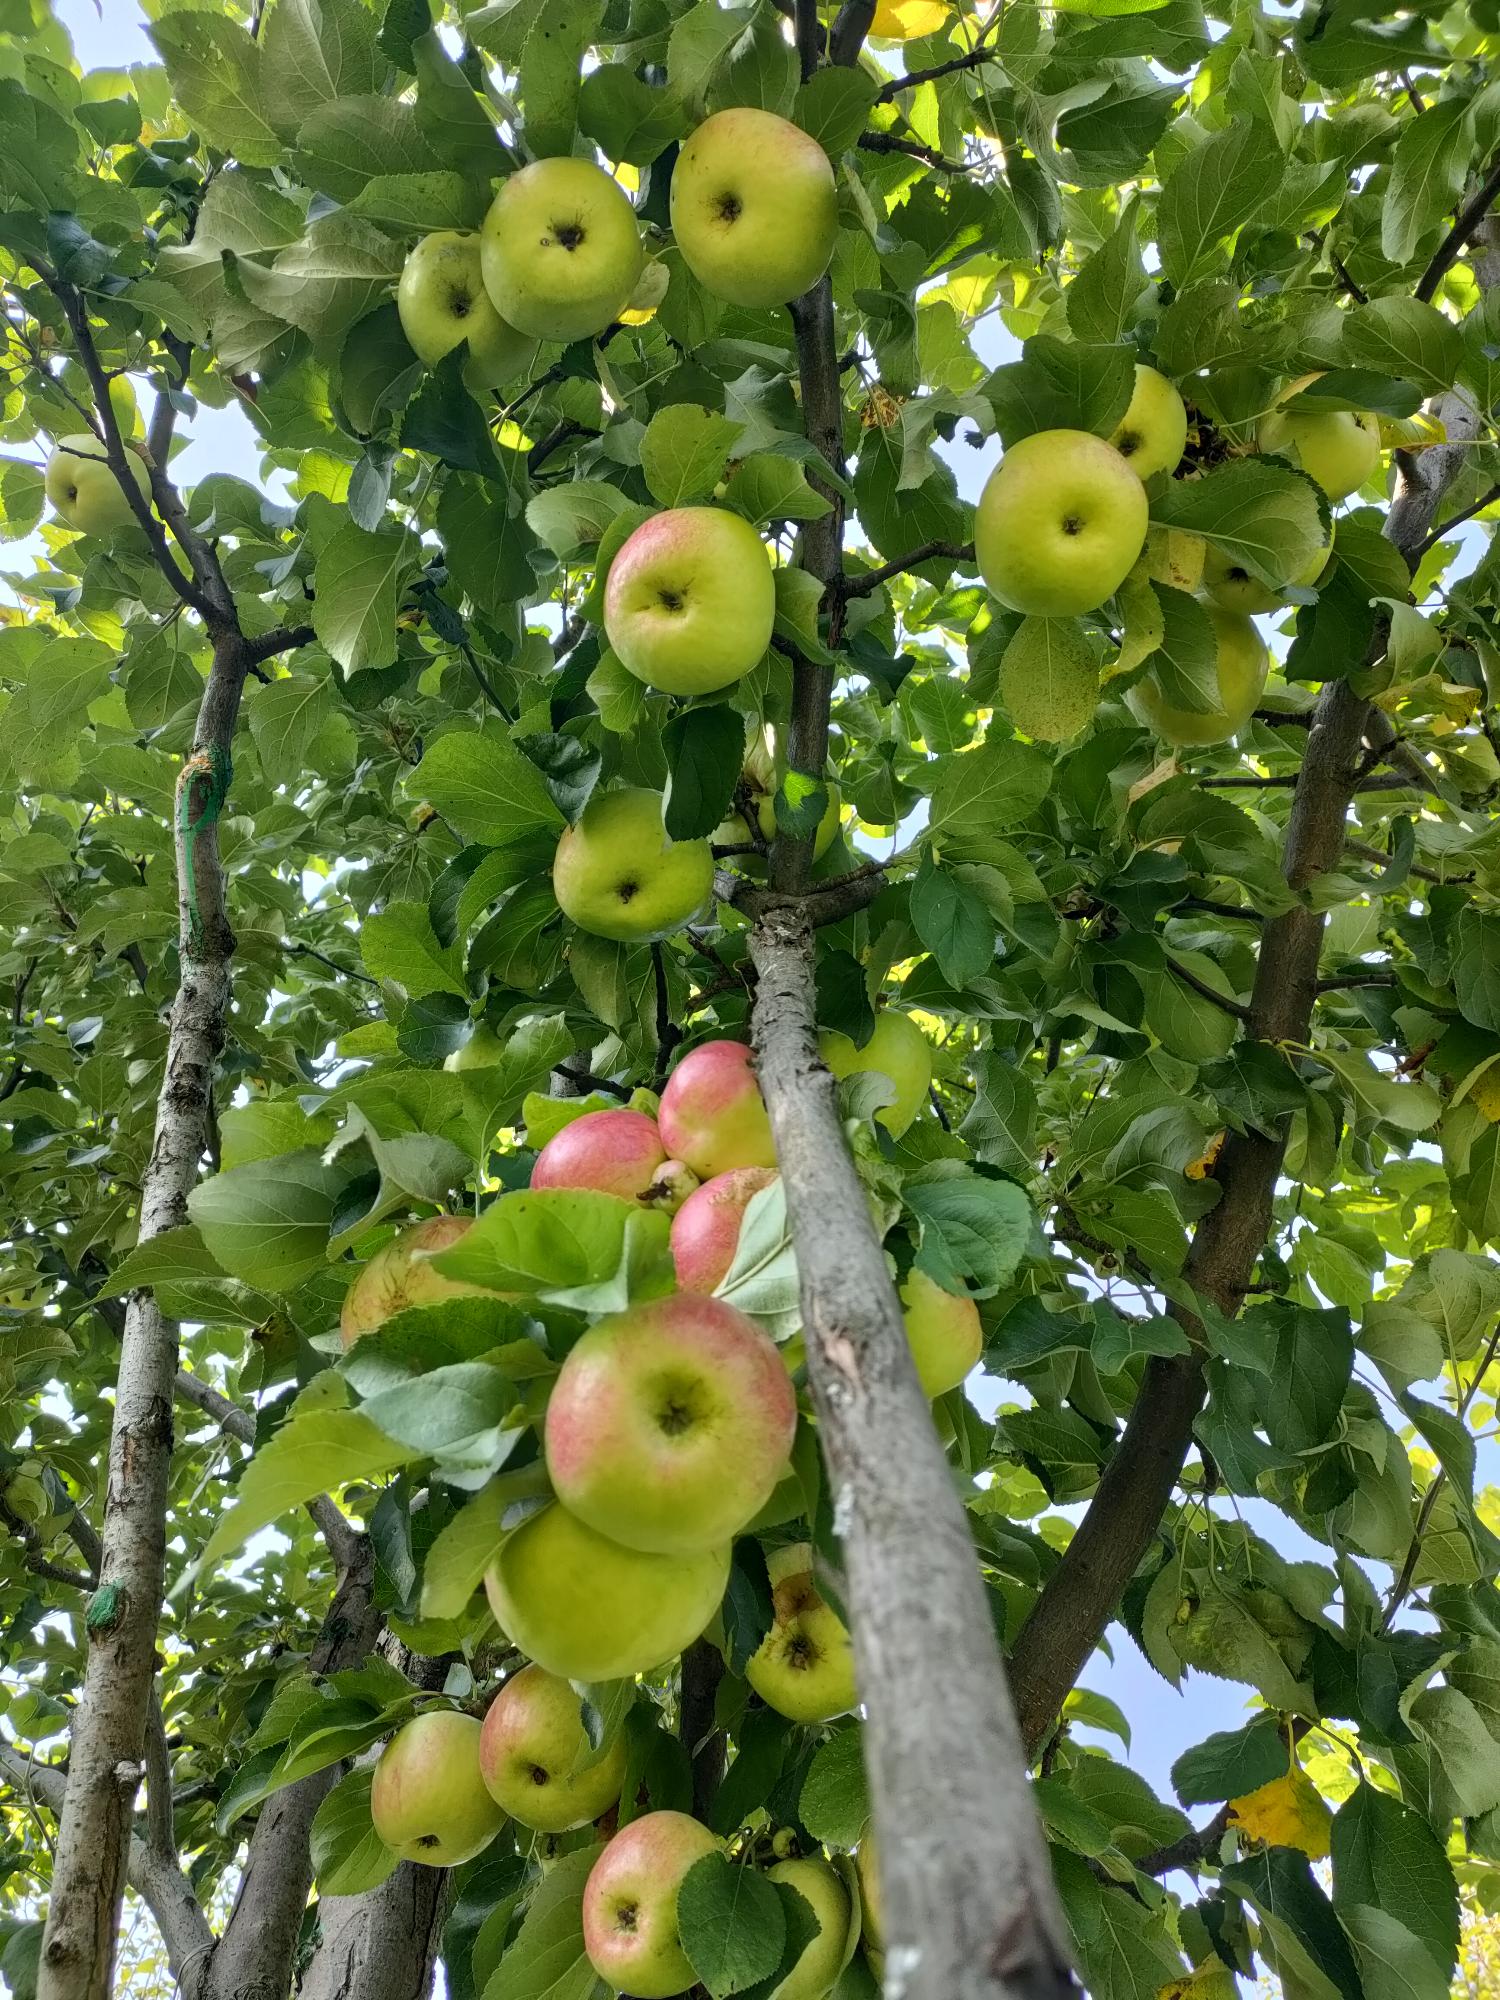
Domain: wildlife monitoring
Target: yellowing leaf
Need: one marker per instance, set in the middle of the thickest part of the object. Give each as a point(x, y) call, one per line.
point(1288, 1812)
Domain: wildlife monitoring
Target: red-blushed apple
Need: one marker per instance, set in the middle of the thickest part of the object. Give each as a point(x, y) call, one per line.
point(531, 1750)
point(428, 1802)
point(81, 485)
point(1059, 524)
point(669, 1424)
point(706, 1229)
point(1152, 434)
point(614, 1152)
point(589, 1609)
point(690, 600)
point(898, 1050)
point(754, 206)
point(618, 875)
point(712, 1114)
point(816, 1971)
point(943, 1332)
point(560, 249)
point(630, 1904)
point(401, 1275)
point(804, 1667)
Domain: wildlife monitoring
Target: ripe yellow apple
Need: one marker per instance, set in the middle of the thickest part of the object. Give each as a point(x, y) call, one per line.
point(817, 1970)
point(535, 1760)
point(84, 491)
point(690, 600)
point(670, 1424)
point(560, 250)
point(943, 1332)
point(1243, 664)
point(442, 303)
point(754, 207)
point(1152, 434)
point(1059, 524)
point(401, 1275)
point(804, 1667)
point(617, 875)
point(897, 1049)
point(585, 1608)
point(712, 1114)
point(630, 1905)
point(1233, 588)
point(428, 1802)
point(1339, 449)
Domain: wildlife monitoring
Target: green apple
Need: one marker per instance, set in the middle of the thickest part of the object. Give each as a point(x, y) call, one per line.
point(943, 1332)
point(588, 1609)
point(712, 1115)
point(804, 1667)
point(617, 875)
point(690, 600)
point(630, 1905)
point(535, 1758)
point(402, 1275)
point(560, 250)
point(816, 1972)
point(1152, 434)
point(1339, 449)
point(83, 489)
point(428, 1802)
point(442, 303)
point(1233, 588)
point(898, 1050)
point(754, 207)
point(1243, 664)
point(1059, 524)
point(867, 1868)
point(669, 1424)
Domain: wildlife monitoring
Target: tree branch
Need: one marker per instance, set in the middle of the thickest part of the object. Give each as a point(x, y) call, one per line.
point(1469, 220)
point(887, 142)
point(702, 1670)
point(973, 59)
point(1211, 993)
point(871, 580)
point(1457, 520)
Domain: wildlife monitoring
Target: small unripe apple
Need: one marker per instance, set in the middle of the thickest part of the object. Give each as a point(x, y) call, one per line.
point(402, 1275)
point(943, 1332)
point(560, 250)
point(897, 1049)
point(82, 488)
point(706, 1229)
point(428, 1802)
point(804, 1667)
point(530, 1752)
point(1152, 435)
point(690, 600)
point(712, 1113)
point(754, 207)
point(617, 875)
point(630, 1905)
point(670, 1424)
point(1059, 524)
point(822, 1959)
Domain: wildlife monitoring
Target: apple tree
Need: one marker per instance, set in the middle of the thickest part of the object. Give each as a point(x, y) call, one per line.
point(611, 856)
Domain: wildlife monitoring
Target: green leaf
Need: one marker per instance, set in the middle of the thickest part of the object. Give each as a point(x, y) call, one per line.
point(572, 519)
point(1402, 336)
point(343, 146)
point(1123, 1951)
point(1215, 188)
point(559, 33)
point(1000, 1125)
point(316, 51)
point(834, 1803)
point(1185, 664)
point(360, 582)
point(1307, 1946)
point(627, 118)
point(546, 1960)
point(1377, 1098)
point(414, 203)
point(699, 43)
point(730, 1923)
point(484, 787)
point(315, 1451)
point(458, 125)
point(218, 77)
point(348, 1855)
point(974, 1230)
point(462, 1551)
point(328, 279)
point(398, 944)
point(286, 719)
point(683, 452)
point(455, 1414)
point(1428, 171)
point(1104, 299)
point(1061, 384)
point(40, 153)
point(834, 106)
point(268, 1222)
point(572, 1246)
point(1229, 1765)
point(981, 793)
point(953, 923)
point(1263, 517)
point(705, 748)
point(1476, 965)
point(1387, 1855)
point(1313, 1358)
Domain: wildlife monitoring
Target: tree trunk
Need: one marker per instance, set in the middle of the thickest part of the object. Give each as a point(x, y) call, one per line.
point(382, 1945)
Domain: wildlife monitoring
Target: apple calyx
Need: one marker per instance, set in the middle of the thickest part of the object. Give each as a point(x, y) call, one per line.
point(670, 1187)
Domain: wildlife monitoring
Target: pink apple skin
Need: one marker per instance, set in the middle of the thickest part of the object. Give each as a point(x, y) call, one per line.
point(615, 1152)
point(630, 1904)
point(706, 1229)
point(712, 1113)
point(669, 1425)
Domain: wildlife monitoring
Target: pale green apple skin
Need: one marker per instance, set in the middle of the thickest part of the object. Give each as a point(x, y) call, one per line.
point(943, 1333)
point(630, 1904)
point(670, 1424)
point(1152, 435)
point(428, 1802)
point(867, 1867)
point(530, 1750)
point(560, 250)
point(401, 1275)
point(442, 304)
point(816, 1972)
point(1338, 449)
point(617, 875)
point(1059, 524)
point(896, 1049)
point(712, 1114)
point(690, 600)
point(1235, 589)
point(84, 492)
point(804, 1667)
point(1243, 665)
point(587, 1609)
point(754, 207)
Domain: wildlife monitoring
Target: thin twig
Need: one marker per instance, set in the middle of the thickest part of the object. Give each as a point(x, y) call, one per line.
point(872, 579)
point(1465, 224)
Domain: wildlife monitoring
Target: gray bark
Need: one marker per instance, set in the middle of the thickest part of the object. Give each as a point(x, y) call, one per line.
point(382, 1945)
